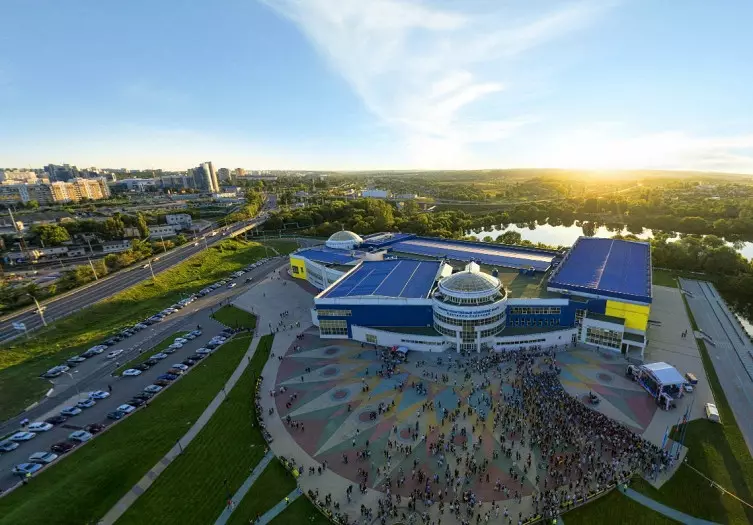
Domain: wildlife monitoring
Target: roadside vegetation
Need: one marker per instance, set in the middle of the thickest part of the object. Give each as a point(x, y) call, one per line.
point(615, 509)
point(22, 361)
point(300, 511)
point(140, 358)
point(270, 488)
point(235, 317)
point(215, 463)
point(82, 487)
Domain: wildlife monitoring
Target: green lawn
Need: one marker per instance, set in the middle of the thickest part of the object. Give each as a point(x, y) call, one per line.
point(300, 512)
point(146, 353)
point(283, 246)
point(234, 317)
point(664, 278)
point(270, 488)
point(225, 451)
point(720, 452)
point(615, 509)
point(21, 362)
point(84, 486)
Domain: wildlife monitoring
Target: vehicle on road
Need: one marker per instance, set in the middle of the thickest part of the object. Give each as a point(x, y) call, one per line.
point(159, 356)
point(114, 354)
point(8, 446)
point(180, 366)
point(74, 361)
point(153, 389)
point(136, 402)
point(63, 447)
point(22, 436)
point(56, 420)
point(162, 382)
point(156, 259)
point(180, 340)
point(176, 371)
point(131, 372)
point(168, 377)
point(81, 436)
point(85, 403)
point(95, 428)
point(232, 285)
point(70, 411)
point(26, 468)
point(96, 350)
point(39, 426)
point(126, 408)
point(145, 396)
point(196, 357)
point(43, 457)
point(99, 394)
point(175, 346)
point(55, 371)
point(116, 414)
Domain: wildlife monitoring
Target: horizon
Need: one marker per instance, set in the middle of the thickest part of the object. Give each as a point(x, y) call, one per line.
point(326, 85)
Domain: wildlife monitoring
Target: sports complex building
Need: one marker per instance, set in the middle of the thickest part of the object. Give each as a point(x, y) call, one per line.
point(430, 294)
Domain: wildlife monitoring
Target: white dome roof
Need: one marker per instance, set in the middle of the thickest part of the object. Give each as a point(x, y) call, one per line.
point(468, 282)
point(346, 235)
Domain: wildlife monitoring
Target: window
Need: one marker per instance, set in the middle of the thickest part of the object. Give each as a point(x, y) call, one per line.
point(523, 342)
point(471, 300)
point(444, 331)
point(333, 313)
point(333, 327)
point(468, 322)
point(535, 310)
point(314, 273)
point(295, 270)
point(603, 337)
point(371, 338)
point(419, 342)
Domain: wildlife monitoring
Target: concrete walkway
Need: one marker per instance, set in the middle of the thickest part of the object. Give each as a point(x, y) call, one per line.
point(281, 505)
point(663, 509)
point(145, 482)
point(244, 488)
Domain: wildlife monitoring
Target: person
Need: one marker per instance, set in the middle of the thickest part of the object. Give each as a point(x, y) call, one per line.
point(109, 388)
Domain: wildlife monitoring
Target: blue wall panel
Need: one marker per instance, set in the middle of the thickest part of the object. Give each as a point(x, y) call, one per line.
point(385, 315)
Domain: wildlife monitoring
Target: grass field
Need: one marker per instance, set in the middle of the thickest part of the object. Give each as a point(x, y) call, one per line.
point(718, 451)
point(283, 246)
point(270, 488)
point(234, 317)
point(664, 278)
point(216, 462)
point(615, 509)
point(84, 486)
point(144, 355)
point(301, 511)
point(22, 362)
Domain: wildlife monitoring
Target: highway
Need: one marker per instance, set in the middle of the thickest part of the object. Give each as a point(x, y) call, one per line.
point(81, 298)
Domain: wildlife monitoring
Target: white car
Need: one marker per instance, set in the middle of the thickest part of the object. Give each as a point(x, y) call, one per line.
point(176, 346)
point(159, 356)
point(126, 408)
point(153, 389)
point(114, 354)
point(232, 285)
point(180, 340)
point(86, 403)
point(203, 351)
point(99, 394)
point(43, 457)
point(80, 436)
point(39, 426)
point(180, 366)
point(70, 411)
point(8, 446)
point(131, 372)
point(22, 436)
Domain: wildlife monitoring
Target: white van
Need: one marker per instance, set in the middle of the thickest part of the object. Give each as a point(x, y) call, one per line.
point(712, 414)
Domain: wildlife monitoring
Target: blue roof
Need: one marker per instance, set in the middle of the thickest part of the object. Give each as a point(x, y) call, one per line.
point(328, 256)
point(481, 252)
point(382, 240)
point(608, 267)
point(405, 278)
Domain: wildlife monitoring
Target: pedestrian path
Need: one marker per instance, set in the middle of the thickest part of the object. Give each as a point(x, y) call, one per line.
point(277, 509)
point(145, 482)
point(241, 492)
point(663, 509)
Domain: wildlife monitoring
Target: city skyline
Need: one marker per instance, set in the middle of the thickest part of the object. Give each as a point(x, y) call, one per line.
point(323, 84)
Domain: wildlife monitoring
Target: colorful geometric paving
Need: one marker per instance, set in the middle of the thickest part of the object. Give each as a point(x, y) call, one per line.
point(327, 379)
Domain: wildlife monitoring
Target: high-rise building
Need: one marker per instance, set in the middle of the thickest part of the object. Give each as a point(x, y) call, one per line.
point(205, 178)
point(223, 174)
point(208, 167)
point(64, 173)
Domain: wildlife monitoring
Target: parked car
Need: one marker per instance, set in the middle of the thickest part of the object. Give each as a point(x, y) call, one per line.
point(176, 371)
point(43, 457)
point(114, 354)
point(153, 389)
point(116, 414)
point(196, 357)
point(162, 382)
point(181, 340)
point(136, 402)
point(86, 403)
point(144, 396)
point(81, 436)
point(168, 377)
point(126, 408)
point(94, 428)
point(203, 351)
point(151, 361)
point(8, 445)
point(99, 394)
point(26, 468)
point(180, 366)
point(159, 356)
point(55, 371)
point(70, 411)
point(188, 362)
point(232, 285)
point(131, 372)
point(75, 361)
point(39, 426)
point(22, 436)
point(56, 420)
point(63, 446)
point(175, 346)
point(142, 367)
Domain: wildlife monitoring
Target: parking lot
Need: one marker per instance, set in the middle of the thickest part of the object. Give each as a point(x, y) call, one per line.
point(93, 374)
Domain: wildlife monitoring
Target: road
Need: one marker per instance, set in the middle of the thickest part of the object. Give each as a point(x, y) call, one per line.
point(94, 373)
point(78, 299)
point(728, 352)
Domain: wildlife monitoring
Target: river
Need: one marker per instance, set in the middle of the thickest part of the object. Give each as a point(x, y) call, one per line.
point(566, 235)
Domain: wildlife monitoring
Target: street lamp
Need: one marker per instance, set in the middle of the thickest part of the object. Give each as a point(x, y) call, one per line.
point(40, 309)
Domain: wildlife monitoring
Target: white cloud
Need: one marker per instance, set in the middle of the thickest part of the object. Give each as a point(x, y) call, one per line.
point(423, 69)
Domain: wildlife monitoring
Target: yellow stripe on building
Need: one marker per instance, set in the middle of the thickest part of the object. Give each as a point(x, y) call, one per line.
point(635, 315)
point(298, 267)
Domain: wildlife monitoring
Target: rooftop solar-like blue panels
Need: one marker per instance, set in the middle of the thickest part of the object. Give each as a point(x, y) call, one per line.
point(382, 240)
point(610, 267)
point(484, 253)
point(392, 278)
point(326, 257)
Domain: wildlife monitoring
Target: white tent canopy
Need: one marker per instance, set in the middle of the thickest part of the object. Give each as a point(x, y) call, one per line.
point(664, 374)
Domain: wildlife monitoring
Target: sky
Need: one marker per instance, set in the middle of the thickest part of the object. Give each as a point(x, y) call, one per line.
point(377, 84)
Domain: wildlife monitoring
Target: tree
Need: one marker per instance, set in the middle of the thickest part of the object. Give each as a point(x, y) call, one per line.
point(52, 234)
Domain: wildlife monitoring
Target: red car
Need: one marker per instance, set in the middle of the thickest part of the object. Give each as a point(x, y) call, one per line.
point(63, 447)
